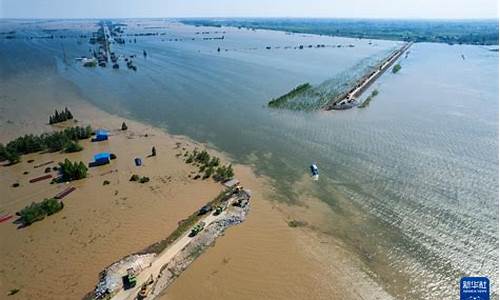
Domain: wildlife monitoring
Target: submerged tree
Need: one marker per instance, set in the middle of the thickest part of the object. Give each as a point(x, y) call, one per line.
point(72, 170)
point(38, 211)
point(396, 68)
point(62, 116)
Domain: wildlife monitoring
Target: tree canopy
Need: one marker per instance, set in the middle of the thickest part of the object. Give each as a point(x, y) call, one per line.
point(62, 116)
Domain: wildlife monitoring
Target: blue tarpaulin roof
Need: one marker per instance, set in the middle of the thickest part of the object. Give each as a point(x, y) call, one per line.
point(101, 132)
point(102, 155)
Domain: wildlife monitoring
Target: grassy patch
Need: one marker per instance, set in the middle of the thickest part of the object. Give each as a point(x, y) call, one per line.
point(281, 101)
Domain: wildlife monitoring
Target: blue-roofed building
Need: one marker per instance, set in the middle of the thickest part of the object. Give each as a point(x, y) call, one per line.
point(101, 135)
point(102, 158)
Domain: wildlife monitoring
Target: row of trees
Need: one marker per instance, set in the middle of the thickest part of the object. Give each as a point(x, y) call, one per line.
point(72, 170)
point(62, 116)
point(210, 166)
point(66, 139)
point(38, 211)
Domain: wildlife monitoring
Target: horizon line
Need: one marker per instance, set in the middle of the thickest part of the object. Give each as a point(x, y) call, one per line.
point(260, 17)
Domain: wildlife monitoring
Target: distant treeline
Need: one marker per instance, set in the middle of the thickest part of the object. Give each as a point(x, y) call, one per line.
point(55, 141)
point(477, 32)
point(62, 116)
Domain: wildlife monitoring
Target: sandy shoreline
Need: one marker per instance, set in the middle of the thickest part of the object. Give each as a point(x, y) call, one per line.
point(61, 256)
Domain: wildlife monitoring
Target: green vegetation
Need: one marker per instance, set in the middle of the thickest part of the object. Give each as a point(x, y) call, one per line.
point(368, 99)
point(396, 68)
point(55, 141)
point(138, 178)
point(72, 170)
point(323, 95)
point(186, 224)
point(12, 156)
point(477, 32)
point(224, 173)
point(38, 211)
point(73, 147)
point(62, 116)
point(282, 100)
point(209, 166)
point(144, 179)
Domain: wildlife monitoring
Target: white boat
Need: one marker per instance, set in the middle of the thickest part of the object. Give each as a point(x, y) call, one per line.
point(314, 172)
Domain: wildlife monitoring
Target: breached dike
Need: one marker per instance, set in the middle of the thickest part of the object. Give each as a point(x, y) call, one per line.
point(201, 242)
point(342, 91)
point(111, 278)
point(349, 99)
point(155, 271)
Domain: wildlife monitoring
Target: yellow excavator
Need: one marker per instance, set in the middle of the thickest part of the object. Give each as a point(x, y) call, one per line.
point(145, 288)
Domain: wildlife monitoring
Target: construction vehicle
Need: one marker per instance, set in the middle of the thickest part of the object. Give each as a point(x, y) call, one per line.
point(129, 280)
point(196, 229)
point(205, 209)
point(145, 288)
point(219, 209)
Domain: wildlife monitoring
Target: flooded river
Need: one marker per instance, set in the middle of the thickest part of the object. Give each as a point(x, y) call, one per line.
point(419, 164)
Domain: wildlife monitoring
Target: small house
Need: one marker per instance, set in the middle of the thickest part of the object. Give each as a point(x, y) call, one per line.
point(102, 158)
point(101, 135)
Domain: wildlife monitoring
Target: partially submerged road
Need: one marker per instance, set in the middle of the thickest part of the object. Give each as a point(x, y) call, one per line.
point(164, 257)
point(365, 81)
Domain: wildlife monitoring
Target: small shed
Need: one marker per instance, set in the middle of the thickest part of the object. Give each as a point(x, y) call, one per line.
point(231, 182)
point(101, 135)
point(102, 158)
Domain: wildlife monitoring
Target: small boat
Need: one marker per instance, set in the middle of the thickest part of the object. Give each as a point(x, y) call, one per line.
point(314, 171)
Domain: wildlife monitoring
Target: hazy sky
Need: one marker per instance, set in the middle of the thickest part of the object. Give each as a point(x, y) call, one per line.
point(249, 8)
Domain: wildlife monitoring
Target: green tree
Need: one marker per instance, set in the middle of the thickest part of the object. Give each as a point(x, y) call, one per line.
point(38, 211)
point(72, 170)
point(396, 68)
point(12, 156)
point(73, 147)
